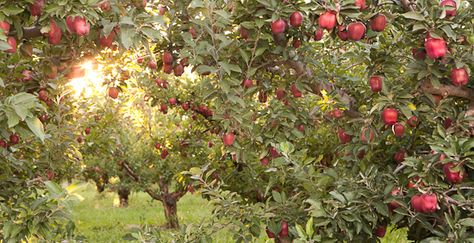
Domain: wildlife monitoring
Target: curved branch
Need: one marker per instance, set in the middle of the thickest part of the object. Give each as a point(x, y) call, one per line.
point(28, 32)
point(447, 90)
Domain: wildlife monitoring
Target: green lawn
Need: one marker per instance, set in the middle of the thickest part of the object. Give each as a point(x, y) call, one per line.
point(98, 220)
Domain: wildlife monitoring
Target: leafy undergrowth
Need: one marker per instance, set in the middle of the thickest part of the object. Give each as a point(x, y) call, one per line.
point(99, 220)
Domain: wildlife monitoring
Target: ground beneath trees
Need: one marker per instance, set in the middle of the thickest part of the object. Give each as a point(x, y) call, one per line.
point(98, 219)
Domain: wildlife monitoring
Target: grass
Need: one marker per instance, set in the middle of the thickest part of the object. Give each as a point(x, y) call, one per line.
point(98, 220)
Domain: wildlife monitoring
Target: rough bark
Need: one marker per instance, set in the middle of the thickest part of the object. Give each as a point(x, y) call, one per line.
point(123, 193)
point(171, 212)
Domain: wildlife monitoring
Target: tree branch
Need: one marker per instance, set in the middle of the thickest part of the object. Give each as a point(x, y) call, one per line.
point(447, 90)
point(28, 32)
point(153, 194)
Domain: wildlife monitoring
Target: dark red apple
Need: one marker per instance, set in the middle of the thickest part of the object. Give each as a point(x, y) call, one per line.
point(178, 70)
point(398, 129)
point(3, 143)
point(278, 26)
point(185, 106)
point(454, 173)
point(319, 34)
point(327, 20)
point(158, 146)
point(167, 58)
point(244, 33)
point(139, 59)
point(36, 8)
point(43, 95)
point(164, 108)
point(300, 128)
point(296, 43)
point(168, 69)
point(164, 153)
point(264, 161)
point(79, 139)
point(435, 48)
point(14, 139)
point(399, 156)
point(418, 53)
point(378, 23)
point(247, 83)
point(113, 92)
point(192, 31)
point(228, 139)
point(284, 229)
point(413, 121)
point(380, 231)
point(270, 234)
point(296, 19)
point(375, 83)
point(447, 123)
point(280, 93)
point(12, 43)
point(459, 77)
point(43, 117)
point(5, 26)
point(172, 101)
point(87, 130)
point(342, 32)
point(152, 64)
point(343, 136)
point(355, 31)
point(295, 91)
point(336, 113)
point(360, 4)
point(273, 152)
point(106, 41)
point(451, 10)
point(390, 116)
point(424, 203)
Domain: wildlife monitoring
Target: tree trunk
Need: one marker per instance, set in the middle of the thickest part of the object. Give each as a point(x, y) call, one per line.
point(123, 193)
point(100, 187)
point(170, 206)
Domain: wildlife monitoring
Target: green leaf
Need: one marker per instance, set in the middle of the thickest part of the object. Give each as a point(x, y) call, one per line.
point(151, 33)
point(276, 196)
point(309, 227)
point(228, 68)
point(301, 233)
point(36, 127)
point(449, 32)
point(413, 15)
point(126, 36)
point(467, 222)
point(53, 188)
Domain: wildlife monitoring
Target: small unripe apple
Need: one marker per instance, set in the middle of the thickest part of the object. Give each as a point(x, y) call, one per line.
point(5, 27)
point(14, 139)
point(459, 77)
point(278, 26)
point(296, 19)
point(424, 203)
point(375, 83)
point(450, 3)
point(295, 91)
point(319, 34)
point(280, 93)
point(399, 156)
point(113, 92)
point(355, 31)
point(327, 20)
point(264, 161)
point(435, 48)
point(390, 116)
point(378, 23)
point(454, 173)
point(12, 43)
point(360, 4)
point(228, 139)
point(247, 83)
point(413, 121)
point(398, 129)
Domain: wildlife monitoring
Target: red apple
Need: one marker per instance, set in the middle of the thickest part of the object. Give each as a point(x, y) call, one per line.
point(395, 192)
point(375, 83)
point(36, 8)
point(3, 143)
point(70, 24)
point(447, 123)
point(284, 229)
point(164, 108)
point(459, 77)
point(192, 31)
point(87, 130)
point(43, 95)
point(273, 152)
point(244, 33)
point(424, 203)
point(278, 26)
point(342, 32)
point(280, 93)
point(355, 31)
point(390, 116)
point(5, 26)
point(12, 43)
point(168, 69)
point(327, 20)
point(184, 61)
point(412, 121)
point(378, 23)
point(398, 129)
point(343, 136)
point(319, 34)
point(296, 43)
point(336, 113)
point(43, 117)
point(158, 146)
point(81, 26)
point(435, 48)
point(105, 5)
point(162, 10)
point(152, 64)
point(139, 59)
point(247, 83)
point(454, 173)
point(178, 70)
point(27, 75)
point(418, 53)
point(185, 106)
point(399, 156)
point(300, 128)
point(172, 101)
point(210, 144)
point(360, 4)
point(113, 92)
point(167, 58)
point(228, 139)
point(164, 153)
point(264, 161)
point(415, 182)
point(296, 19)
point(106, 41)
point(55, 33)
point(270, 234)
point(262, 96)
point(380, 231)
point(14, 139)
point(295, 91)
point(450, 12)
point(363, 134)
